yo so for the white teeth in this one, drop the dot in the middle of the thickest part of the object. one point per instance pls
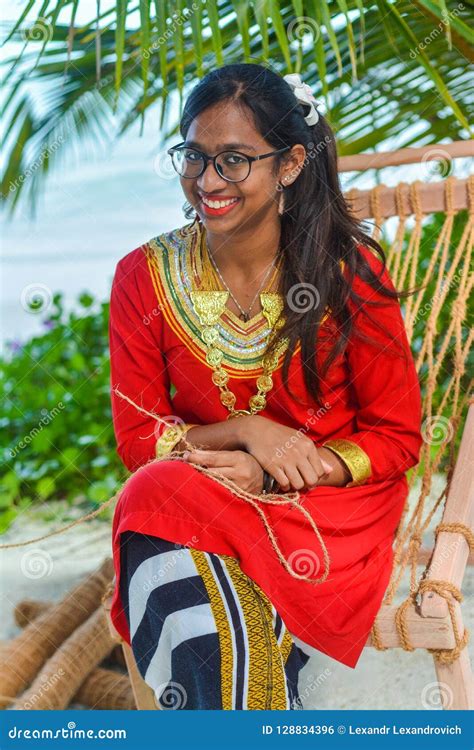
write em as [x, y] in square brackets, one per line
[218, 204]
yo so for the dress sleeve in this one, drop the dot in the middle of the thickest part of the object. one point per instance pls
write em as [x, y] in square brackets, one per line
[385, 387]
[137, 365]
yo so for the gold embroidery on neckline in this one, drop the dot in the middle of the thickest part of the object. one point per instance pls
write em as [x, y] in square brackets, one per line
[174, 264]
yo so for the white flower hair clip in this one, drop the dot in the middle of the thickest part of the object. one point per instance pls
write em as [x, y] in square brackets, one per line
[304, 95]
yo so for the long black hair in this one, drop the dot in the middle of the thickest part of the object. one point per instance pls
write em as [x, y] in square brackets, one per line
[317, 228]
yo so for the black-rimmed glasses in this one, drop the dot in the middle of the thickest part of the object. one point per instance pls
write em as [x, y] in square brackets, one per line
[232, 166]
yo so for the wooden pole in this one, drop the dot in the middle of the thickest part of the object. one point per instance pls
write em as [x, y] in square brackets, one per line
[380, 159]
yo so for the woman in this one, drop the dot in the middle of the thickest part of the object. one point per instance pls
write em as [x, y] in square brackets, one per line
[281, 332]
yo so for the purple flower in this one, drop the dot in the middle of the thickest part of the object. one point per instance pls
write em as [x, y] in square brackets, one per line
[15, 346]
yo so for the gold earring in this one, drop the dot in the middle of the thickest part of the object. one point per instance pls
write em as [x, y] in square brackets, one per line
[281, 202]
[281, 205]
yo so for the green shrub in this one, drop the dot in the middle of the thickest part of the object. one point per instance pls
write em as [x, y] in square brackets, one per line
[57, 415]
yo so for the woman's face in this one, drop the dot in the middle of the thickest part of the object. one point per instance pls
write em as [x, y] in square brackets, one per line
[257, 196]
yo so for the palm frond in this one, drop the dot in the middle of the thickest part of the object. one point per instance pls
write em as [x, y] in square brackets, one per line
[369, 63]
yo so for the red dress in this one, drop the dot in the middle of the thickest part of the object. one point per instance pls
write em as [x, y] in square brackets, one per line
[372, 398]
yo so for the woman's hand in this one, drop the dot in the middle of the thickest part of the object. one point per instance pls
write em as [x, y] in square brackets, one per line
[290, 457]
[242, 468]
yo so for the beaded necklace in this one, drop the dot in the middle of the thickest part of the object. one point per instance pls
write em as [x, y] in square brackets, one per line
[209, 303]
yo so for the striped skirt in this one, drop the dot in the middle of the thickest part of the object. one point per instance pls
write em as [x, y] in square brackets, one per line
[203, 634]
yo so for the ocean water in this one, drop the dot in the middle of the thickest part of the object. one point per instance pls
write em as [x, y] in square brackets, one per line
[91, 213]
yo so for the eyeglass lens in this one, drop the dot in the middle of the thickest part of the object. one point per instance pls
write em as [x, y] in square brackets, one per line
[230, 165]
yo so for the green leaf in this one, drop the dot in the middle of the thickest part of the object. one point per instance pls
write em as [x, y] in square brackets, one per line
[45, 487]
[196, 29]
[432, 72]
[101, 491]
[213, 16]
[119, 45]
[280, 31]
[241, 13]
[261, 12]
[69, 456]
[10, 483]
[144, 47]
[86, 299]
[6, 519]
[6, 499]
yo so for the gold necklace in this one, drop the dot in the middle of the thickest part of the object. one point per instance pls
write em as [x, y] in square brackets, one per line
[209, 304]
[244, 314]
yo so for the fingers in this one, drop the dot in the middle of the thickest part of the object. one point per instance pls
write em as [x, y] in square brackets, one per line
[305, 473]
[222, 472]
[225, 471]
[210, 458]
[248, 484]
[279, 475]
[309, 474]
[318, 464]
[295, 479]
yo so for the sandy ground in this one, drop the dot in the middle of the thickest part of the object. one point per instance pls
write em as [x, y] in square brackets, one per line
[394, 679]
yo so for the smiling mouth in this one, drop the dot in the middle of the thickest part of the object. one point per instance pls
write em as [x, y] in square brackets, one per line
[218, 208]
[218, 203]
